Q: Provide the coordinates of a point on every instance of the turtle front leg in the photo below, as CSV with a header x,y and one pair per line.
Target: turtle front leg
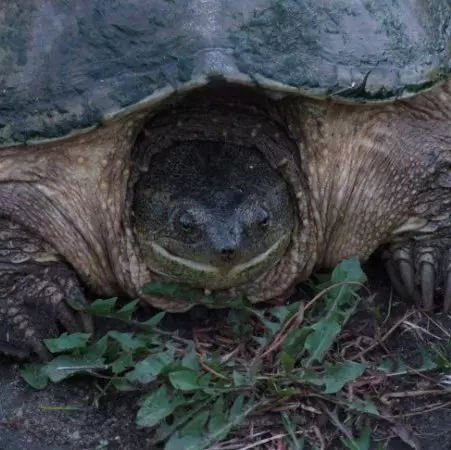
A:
x,y
420,270
34,287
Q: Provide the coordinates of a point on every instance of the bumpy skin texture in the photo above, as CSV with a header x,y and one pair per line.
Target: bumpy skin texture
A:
x,y
34,285
380,177
361,178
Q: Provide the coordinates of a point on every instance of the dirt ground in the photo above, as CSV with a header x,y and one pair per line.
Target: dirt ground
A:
x,y
68,415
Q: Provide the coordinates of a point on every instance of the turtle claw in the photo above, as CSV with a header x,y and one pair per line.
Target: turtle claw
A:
x,y
392,273
428,261
427,286
33,307
417,273
407,276
447,294
399,264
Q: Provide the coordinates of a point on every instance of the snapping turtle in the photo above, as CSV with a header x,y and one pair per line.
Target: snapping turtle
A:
x,y
231,146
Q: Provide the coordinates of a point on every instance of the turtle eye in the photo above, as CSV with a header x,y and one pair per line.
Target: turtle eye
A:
x,y
186,223
260,219
263,222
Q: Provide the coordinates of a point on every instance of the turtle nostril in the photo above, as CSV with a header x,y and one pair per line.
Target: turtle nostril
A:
x,y
227,254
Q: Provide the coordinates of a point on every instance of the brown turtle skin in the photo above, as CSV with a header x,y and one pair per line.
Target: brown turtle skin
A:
x,y
361,178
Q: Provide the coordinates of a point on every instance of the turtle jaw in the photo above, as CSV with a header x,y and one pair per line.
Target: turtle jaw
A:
x,y
208,276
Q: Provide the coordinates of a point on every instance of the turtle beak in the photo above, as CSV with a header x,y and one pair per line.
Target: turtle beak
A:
x,y
226,243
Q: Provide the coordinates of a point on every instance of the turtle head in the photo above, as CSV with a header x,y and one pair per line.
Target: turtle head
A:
x,y
211,214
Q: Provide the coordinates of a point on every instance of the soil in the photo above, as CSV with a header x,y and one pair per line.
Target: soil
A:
x,y
70,415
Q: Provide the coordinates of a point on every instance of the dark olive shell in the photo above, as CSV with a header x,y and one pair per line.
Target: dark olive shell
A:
x,y
69,65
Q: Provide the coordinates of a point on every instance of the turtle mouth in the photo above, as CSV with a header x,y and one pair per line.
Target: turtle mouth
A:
x,y
212,276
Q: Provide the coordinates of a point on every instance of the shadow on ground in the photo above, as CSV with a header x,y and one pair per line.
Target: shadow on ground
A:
x,y
70,415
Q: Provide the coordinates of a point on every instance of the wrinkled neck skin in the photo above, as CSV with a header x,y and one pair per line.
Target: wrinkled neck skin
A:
x,y
72,194
371,170
358,176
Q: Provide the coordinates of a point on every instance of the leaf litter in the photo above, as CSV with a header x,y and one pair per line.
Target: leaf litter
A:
x,y
308,374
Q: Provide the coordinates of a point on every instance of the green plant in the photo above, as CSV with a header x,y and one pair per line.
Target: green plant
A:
x,y
280,360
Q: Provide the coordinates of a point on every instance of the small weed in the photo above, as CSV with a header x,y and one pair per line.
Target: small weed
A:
x,y
284,361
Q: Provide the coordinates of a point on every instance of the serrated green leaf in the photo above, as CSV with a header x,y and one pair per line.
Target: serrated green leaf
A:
x,y
65,366
174,291
365,406
386,366
349,270
122,363
77,303
176,442
363,442
154,320
123,385
236,417
126,312
94,352
294,342
196,426
185,380
218,424
272,327
309,376
287,361
320,340
341,303
67,341
149,368
239,379
221,369
192,405
239,319
208,435
239,302
190,360
156,407
34,376
296,444
237,407
261,340
427,362
399,367
102,307
287,392
90,359
205,380
281,313
336,376
127,341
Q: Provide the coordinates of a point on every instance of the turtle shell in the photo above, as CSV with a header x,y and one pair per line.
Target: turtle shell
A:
x,y
67,66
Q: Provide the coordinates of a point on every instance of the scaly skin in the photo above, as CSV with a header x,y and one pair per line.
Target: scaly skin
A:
x,y
34,283
379,176
362,177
